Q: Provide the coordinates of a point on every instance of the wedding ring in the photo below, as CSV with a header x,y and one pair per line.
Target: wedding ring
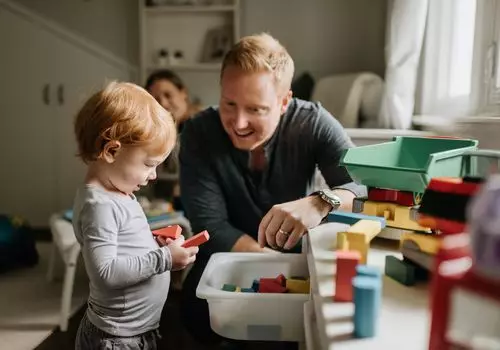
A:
x,y
284,233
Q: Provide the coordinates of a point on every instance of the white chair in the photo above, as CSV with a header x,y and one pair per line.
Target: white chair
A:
x,y
64,242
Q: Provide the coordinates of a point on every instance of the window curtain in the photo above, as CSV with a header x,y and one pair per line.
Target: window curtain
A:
x,y
404,37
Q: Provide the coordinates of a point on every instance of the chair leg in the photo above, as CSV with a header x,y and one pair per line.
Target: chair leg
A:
x,y
69,279
52,262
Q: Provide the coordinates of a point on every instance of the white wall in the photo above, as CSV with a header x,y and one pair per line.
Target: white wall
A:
x,y
323,36
112,24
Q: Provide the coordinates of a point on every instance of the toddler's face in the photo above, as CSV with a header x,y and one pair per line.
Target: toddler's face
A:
x,y
133,168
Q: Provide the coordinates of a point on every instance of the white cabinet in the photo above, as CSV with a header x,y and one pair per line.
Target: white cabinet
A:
x,y
43,81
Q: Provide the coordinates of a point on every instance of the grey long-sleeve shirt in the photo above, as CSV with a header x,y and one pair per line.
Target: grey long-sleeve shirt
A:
x,y
128,272
219,192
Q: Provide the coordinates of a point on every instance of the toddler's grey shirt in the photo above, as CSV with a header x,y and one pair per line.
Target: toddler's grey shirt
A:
x,y
128,271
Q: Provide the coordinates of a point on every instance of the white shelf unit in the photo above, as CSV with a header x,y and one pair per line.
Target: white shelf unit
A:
x,y
184,28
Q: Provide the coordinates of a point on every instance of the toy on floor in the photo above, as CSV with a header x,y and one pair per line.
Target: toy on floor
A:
x,y
358,237
279,284
362,285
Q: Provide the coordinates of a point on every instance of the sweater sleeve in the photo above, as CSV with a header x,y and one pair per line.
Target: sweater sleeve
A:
x,y
331,140
100,223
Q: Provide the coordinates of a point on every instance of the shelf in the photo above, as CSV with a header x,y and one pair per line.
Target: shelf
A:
x,y
206,67
189,8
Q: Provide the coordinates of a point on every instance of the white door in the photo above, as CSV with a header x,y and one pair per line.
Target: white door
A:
x,y
27,140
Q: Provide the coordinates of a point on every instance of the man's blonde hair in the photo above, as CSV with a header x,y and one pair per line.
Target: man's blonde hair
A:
x,y
260,53
126,113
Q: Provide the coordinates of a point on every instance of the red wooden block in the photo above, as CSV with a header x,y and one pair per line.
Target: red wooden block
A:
x,y
173,232
281,279
453,185
197,240
270,285
393,196
347,260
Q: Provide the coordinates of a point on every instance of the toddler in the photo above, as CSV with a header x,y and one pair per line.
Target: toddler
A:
x,y
123,134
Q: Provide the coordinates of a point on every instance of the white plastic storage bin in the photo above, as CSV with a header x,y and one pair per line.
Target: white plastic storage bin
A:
x,y
254,316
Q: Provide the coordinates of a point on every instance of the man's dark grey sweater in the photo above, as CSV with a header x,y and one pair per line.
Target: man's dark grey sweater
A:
x,y
222,195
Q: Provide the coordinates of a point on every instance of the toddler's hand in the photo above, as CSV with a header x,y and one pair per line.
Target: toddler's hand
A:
x,y
181,257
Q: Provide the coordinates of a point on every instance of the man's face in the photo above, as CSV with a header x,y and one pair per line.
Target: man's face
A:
x,y
250,107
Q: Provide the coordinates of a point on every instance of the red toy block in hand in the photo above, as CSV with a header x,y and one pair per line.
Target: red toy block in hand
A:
x,y
172,232
196,240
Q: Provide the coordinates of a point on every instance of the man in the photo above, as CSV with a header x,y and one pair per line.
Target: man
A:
x,y
248,165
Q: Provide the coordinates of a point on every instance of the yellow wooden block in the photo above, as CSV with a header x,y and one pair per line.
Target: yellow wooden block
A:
x,y
358,237
428,243
395,215
238,289
298,286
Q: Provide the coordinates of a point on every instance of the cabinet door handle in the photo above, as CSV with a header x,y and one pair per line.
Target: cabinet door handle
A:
x,y
46,94
60,94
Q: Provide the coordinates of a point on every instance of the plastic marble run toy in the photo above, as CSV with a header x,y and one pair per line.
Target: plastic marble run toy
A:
x,y
397,174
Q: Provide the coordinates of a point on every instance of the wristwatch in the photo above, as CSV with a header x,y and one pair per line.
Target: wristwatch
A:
x,y
330,197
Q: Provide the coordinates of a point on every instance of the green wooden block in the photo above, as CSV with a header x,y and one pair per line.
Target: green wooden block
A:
x,y
401,271
229,287
247,290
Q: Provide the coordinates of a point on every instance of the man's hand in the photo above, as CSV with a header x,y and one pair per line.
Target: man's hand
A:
x,y
285,224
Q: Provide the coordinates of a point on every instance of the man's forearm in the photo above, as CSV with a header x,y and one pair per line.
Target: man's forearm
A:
x,y
346,198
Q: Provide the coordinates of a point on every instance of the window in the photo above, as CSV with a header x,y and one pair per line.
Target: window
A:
x,y
447,70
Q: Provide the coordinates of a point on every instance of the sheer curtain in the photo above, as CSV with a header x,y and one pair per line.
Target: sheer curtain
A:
x,y
406,24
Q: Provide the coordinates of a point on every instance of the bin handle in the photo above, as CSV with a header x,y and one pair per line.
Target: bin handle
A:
x,y
487,153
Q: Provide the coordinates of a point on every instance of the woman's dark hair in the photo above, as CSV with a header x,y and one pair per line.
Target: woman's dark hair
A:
x,y
165,75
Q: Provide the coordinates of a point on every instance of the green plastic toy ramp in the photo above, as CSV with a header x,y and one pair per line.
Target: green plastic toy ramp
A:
x,y
407,163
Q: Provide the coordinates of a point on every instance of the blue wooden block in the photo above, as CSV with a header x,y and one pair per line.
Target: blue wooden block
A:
x,y
255,285
247,290
367,299
368,271
352,218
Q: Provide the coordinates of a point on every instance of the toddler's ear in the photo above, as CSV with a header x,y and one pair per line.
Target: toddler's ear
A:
x,y
110,151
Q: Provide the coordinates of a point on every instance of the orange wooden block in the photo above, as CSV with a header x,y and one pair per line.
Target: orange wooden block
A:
x,y
347,260
196,240
173,232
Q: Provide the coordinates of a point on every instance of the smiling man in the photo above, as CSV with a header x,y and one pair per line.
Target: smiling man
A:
x,y
248,166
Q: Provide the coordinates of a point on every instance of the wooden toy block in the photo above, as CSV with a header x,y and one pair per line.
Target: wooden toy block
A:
x,y
392,233
411,251
396,216
255,286
401,271
347,260
358,237
427,243
358,204
394,196
281,279
368,271
229,287
238,289
367,299
302,278
247,290
270,285
297,286
172,232
196,240
352,218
